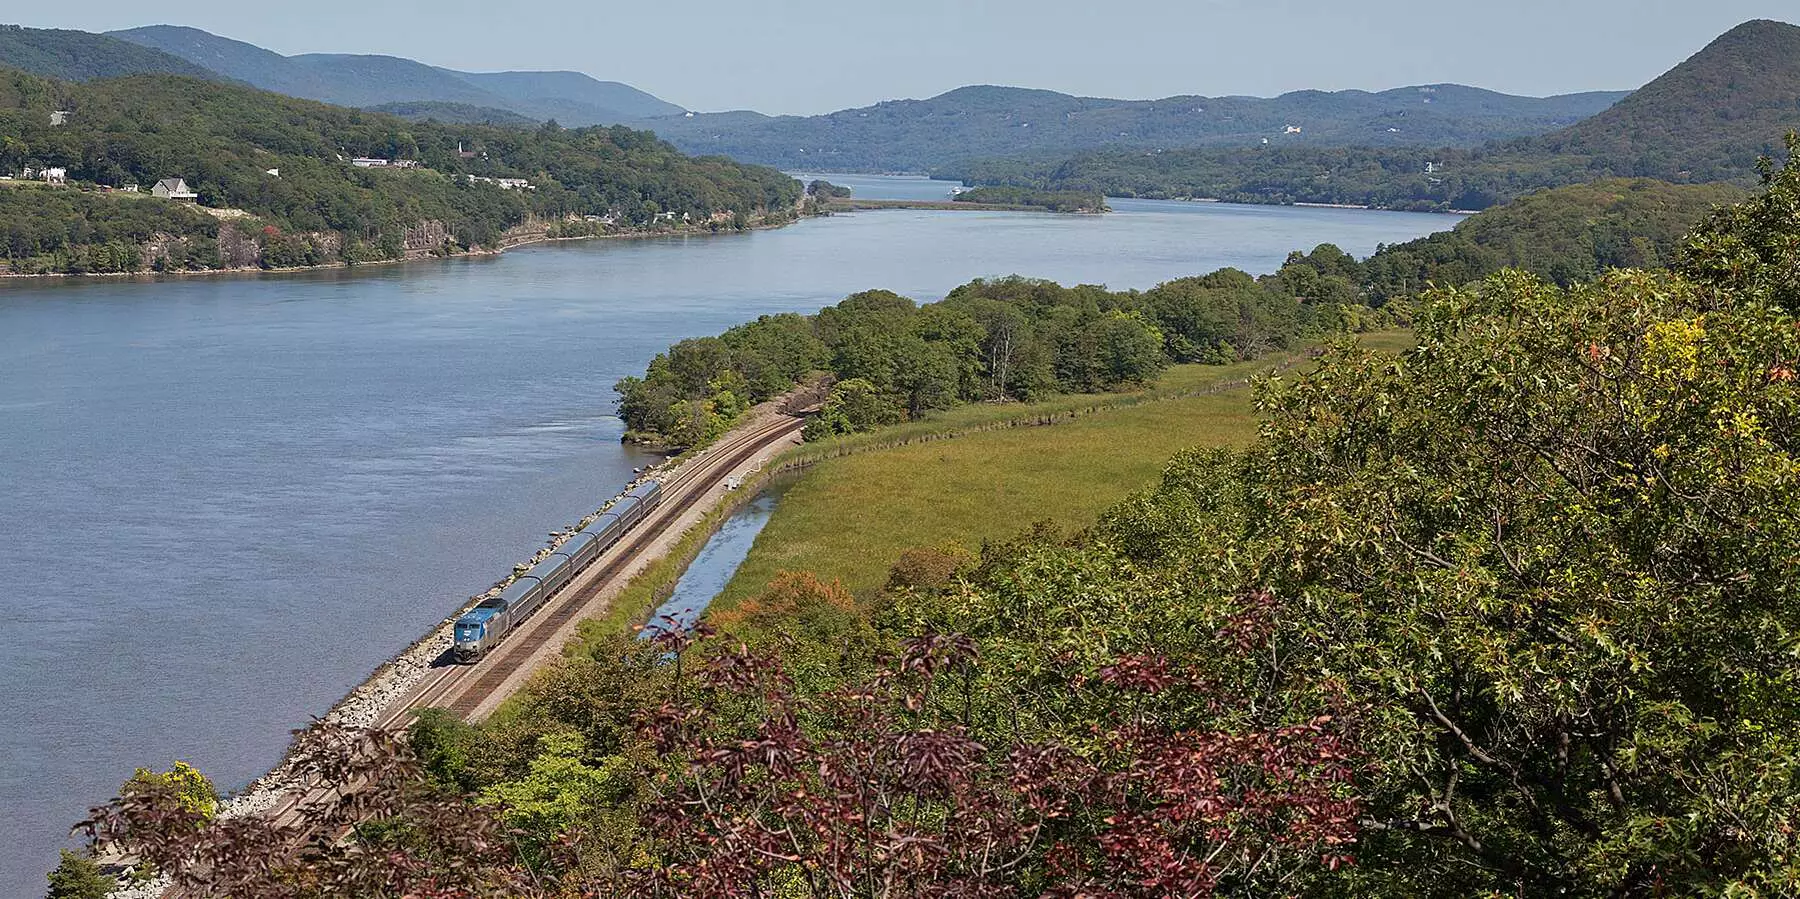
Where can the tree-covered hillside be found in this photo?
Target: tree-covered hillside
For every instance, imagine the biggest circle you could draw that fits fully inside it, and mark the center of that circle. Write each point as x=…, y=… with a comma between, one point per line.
x=454, y=113
x=366, y=80
x=1709, y=119
x=80, y=56
x=287, y=163
x=1567, y=235
x=983, y=122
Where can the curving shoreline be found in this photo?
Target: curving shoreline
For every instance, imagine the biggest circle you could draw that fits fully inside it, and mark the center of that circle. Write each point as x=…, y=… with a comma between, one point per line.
x=151, y=277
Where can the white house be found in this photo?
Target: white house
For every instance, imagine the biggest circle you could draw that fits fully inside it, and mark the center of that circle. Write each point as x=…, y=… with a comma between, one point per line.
x=369, y=162
x=274, y=173
x=59, y=118
x=55, y=176
x=1292, y=129
x=174, y=189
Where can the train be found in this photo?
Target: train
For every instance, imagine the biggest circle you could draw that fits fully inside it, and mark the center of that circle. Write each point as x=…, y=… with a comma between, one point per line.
x=480, y=629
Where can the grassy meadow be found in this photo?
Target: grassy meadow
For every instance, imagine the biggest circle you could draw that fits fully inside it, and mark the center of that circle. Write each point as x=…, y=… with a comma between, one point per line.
x=851, y=515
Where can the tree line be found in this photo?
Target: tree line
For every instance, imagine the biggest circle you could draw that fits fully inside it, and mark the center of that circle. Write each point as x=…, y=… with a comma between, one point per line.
x=989, y=341
x=287, y=163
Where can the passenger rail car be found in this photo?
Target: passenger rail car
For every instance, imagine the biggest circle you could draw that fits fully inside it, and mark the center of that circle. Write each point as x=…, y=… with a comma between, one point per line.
x=481, y=628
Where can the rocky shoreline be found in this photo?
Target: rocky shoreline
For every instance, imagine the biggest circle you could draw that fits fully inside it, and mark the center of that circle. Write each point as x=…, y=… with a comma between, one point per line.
x=505, y=245
x=365, y=704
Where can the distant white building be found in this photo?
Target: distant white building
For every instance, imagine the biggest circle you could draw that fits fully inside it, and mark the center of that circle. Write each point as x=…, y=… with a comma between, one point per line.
x=55, y=176
x=1292, y=129
x=369, y=162
x=502, y=183
x=174, y=189
x=272, y=172
x=59, y=118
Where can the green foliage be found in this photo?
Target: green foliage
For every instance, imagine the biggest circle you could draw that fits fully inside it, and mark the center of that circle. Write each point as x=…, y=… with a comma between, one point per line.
x=1051, y=200
x=1752, y=248
x=1568, y=235
x=825, y=190
x=193, y=791
x=1008, y=339
x=78, y=877
x=853, y=406
x=560, y=790
x=222, y=139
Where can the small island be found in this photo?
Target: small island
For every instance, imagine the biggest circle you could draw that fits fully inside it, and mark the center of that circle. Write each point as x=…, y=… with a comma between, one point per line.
x=1072, y=201
x=832, y=198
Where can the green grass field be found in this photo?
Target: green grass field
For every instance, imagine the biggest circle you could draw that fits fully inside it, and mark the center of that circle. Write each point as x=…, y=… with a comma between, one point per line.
x=850, y=516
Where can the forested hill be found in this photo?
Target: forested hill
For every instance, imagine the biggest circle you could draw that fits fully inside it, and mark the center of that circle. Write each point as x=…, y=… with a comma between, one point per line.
x=571, y=98
x=986, y=121
x=79, y=55
x=1708, y=119
x=287, y=164
x=1569, y=235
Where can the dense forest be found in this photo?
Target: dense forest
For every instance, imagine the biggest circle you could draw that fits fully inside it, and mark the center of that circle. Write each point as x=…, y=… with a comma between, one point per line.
x=1709, y=119
x=1009, y=339
x=1508, y=613
x=286, y=163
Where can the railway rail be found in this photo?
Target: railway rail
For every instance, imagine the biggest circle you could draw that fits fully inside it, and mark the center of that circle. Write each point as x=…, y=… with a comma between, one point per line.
x=464, y=689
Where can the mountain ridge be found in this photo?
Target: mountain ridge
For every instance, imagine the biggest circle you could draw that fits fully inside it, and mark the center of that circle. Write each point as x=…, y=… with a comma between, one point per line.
x=995, y=120
x=365, y=80
x=82, y=55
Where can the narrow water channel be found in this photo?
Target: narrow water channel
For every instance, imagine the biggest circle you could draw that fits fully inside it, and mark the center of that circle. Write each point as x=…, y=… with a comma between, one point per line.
x=718, y=560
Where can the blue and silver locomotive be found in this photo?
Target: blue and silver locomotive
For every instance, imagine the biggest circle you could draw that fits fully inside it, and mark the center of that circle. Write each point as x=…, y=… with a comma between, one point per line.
x=480, y=628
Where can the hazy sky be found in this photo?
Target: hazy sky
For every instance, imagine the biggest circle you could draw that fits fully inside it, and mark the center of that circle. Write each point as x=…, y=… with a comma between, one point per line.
x=808, y=56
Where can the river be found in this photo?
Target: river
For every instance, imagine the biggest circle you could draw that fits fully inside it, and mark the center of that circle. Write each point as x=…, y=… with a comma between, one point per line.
x=226, y=500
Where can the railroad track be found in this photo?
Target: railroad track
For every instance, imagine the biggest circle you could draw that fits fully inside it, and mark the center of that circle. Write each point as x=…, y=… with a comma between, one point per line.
x=464, y=688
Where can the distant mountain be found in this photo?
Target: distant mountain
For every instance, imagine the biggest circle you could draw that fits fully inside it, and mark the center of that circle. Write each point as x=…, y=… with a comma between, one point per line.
x=1707, y=119
x=986, y=121
x=81, y=56
x=571, y=98
x=454, y=113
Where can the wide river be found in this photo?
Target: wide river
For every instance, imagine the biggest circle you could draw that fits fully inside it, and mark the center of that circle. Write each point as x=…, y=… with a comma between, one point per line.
x=223, y=501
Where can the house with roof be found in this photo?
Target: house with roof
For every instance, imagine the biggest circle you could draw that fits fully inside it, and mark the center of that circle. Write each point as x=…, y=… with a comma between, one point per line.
x=174, y=189
x=55, y=176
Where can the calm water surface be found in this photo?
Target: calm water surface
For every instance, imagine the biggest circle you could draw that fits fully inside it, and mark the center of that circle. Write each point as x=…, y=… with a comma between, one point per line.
x=224, y=501
x=713, y=567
